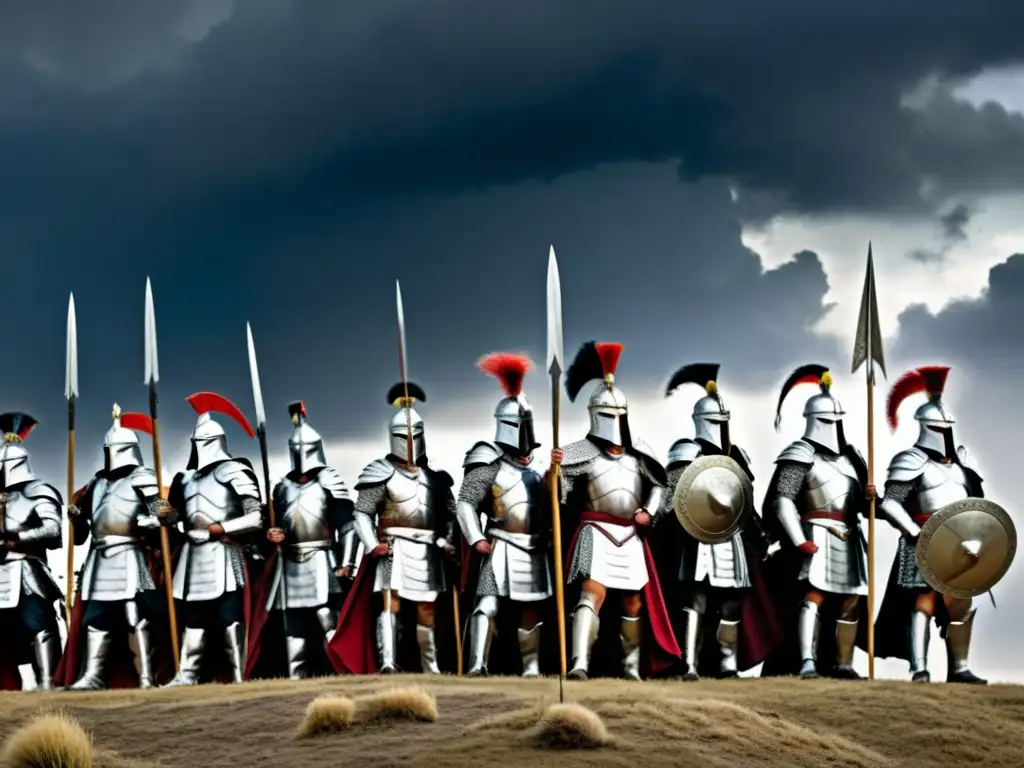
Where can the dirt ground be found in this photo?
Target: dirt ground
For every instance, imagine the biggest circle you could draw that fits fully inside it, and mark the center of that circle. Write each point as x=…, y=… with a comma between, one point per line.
x=714, y=723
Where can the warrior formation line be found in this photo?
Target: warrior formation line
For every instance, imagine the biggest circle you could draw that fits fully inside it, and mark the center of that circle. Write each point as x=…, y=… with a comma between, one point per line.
x=669, y=570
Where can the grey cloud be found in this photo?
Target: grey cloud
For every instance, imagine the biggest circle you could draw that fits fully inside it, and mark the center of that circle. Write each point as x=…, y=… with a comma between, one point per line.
x=952, y=231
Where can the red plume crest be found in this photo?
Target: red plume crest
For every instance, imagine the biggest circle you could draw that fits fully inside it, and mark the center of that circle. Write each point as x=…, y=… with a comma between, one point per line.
x=211, y=402
x=140, y=422
x=928, y=378
x=508, y=368
x=609, y=353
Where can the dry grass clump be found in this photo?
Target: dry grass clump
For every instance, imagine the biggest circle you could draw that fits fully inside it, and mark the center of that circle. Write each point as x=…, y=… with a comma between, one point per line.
x=570, y=726
x=326, y=714
x=397, y=704
x=49, y=740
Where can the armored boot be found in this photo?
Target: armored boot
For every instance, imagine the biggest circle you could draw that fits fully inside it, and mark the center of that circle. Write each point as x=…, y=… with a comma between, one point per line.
x=846, y=640
x=692, y=644
x=328, y=623
x=529, y=650
x=481, y=631
x=807, y=631
x=584, y=632
x=234, y=641
x=958, y=644
x=630, y=633
x=97, y=645
x=192, y=646
x=46, y=649
x=920, y=634
x=141, y=644
x=428, y=649
x=728, y=637
x=387, y=642
x=298, y=658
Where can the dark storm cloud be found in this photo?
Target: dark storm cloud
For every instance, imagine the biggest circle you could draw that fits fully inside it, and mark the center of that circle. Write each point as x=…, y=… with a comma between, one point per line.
x=952, y=232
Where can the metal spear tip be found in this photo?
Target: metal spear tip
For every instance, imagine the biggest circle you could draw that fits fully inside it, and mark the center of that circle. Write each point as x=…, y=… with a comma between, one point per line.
x=71, y=357
x=152, y=364
x=556, y=354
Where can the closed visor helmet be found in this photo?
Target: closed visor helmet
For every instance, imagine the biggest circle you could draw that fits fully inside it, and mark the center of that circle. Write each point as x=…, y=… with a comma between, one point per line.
x=608, y=412
x=121, y=448
x=824, y=414
x=936, y=428
x=306, y=448
x=399, y=429
x=514, y=429
x=14, y=466
x=209, y=443
x=711, y=421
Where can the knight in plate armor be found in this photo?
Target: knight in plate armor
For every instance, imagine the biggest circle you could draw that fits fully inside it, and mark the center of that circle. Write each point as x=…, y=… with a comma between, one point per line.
x=30, y=526
x=217, y=501
x=121, y=509
x=612, y=484
x=318, y=543
x=504, y=518
x=405, y=519
x=716, y=578
x=813, y=508
x=921, y=480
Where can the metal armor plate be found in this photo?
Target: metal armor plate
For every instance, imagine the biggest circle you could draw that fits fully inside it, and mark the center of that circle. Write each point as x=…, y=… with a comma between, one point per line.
x=966, y=547
x=517, y=501
x=115, y=507
x=713, y=498
x=616, y=485
x=409, y=500
x=304, y=511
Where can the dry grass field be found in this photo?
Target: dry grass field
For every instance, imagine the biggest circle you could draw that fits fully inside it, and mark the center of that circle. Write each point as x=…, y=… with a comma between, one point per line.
x=728, y=723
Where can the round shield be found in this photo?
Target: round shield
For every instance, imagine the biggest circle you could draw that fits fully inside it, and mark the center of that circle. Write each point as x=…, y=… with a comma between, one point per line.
x=966, y=547
x=712, y=499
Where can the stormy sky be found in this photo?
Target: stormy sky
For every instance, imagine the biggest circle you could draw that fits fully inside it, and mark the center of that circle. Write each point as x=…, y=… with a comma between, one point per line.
x=709, y=174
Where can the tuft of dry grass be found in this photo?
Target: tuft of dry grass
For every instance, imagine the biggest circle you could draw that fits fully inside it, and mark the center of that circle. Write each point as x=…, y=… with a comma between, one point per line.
x=49, y=740
x=397, y=704
x=326, y=714
x=570, y=726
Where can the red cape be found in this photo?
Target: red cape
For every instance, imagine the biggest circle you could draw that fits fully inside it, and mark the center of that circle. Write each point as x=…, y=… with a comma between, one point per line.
x=259, y=613
x=353, y=649
x=660, y=649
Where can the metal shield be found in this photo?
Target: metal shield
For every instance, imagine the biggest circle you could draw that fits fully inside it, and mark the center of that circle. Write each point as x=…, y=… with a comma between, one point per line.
x=966, y=547
x=713, y=498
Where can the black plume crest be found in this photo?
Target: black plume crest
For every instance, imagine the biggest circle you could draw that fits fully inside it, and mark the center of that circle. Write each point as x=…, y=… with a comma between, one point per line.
x=585, y=367
x=695, y=373
x=16, y=423
x=397, y=392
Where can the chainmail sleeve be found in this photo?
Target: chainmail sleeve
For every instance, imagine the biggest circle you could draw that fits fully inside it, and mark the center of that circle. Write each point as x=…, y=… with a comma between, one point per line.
x=369, y=499
x=790, y=480
x=898, y=492
x=670, y=490
x=569, y=475
x=476, y=484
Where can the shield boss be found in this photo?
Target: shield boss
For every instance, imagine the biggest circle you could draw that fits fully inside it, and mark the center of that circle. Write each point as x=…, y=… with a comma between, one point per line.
x=712, y=499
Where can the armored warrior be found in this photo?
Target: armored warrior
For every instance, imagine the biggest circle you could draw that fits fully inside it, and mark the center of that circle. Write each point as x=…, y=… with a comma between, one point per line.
x=502, y=514
x=922, y=480
x=405, y=518
x=813, y=507
x=612, y=481
x=217, y=500
x=318, y=535
x=30, y=524
x=717, y=577
x=121, y=508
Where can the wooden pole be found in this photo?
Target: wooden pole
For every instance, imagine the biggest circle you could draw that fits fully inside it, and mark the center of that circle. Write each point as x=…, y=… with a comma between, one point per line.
x=69, y=580
x=556, y=532
x=165, y=539
x=871, y=523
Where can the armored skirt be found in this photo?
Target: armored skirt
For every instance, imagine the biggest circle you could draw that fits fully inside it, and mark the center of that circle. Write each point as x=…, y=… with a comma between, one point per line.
x=305, y=577
x=115, y=569
x=415, y=570
x=25, y=577
x=839, y=566
x=207, y=571
x=611, y=555
x=517, y=569
x=722, y=565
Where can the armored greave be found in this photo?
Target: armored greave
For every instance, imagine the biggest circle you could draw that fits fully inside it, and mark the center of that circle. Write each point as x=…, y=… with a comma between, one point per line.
x=920, y=634
x=630, y=633
x=97, y=646
x=192, y=644
x=46, y=649
x=328, y=622
x=234, y=642
x=692, y=642
x=529, y=650
x=141, y=644
x=428, y=649
x=298, y=658
x=958, y=645
x=481, y=631
x=846, y=640
x=387, y=641
x=584, y=633
x=728, y=643
x=807, y=631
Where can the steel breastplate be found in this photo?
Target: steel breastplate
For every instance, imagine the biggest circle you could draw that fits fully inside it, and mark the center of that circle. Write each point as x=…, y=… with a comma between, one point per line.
x=115, y=507
x=305, y=511
x=940, y=484
x=209, y=501
x=831, y=486
x=615, y=485
x=408, y=500
x=517, y=499
x=19, y=513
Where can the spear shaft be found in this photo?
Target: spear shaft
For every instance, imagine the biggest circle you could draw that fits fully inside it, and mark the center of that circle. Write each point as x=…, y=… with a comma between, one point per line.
x=69, y=580
x=165, y=538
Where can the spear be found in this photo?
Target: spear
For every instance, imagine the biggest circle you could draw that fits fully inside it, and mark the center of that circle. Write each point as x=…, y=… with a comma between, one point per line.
x=556, y=357
x=152, y=376
x=404, y=372
x=867, y=348
x=71, y=394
